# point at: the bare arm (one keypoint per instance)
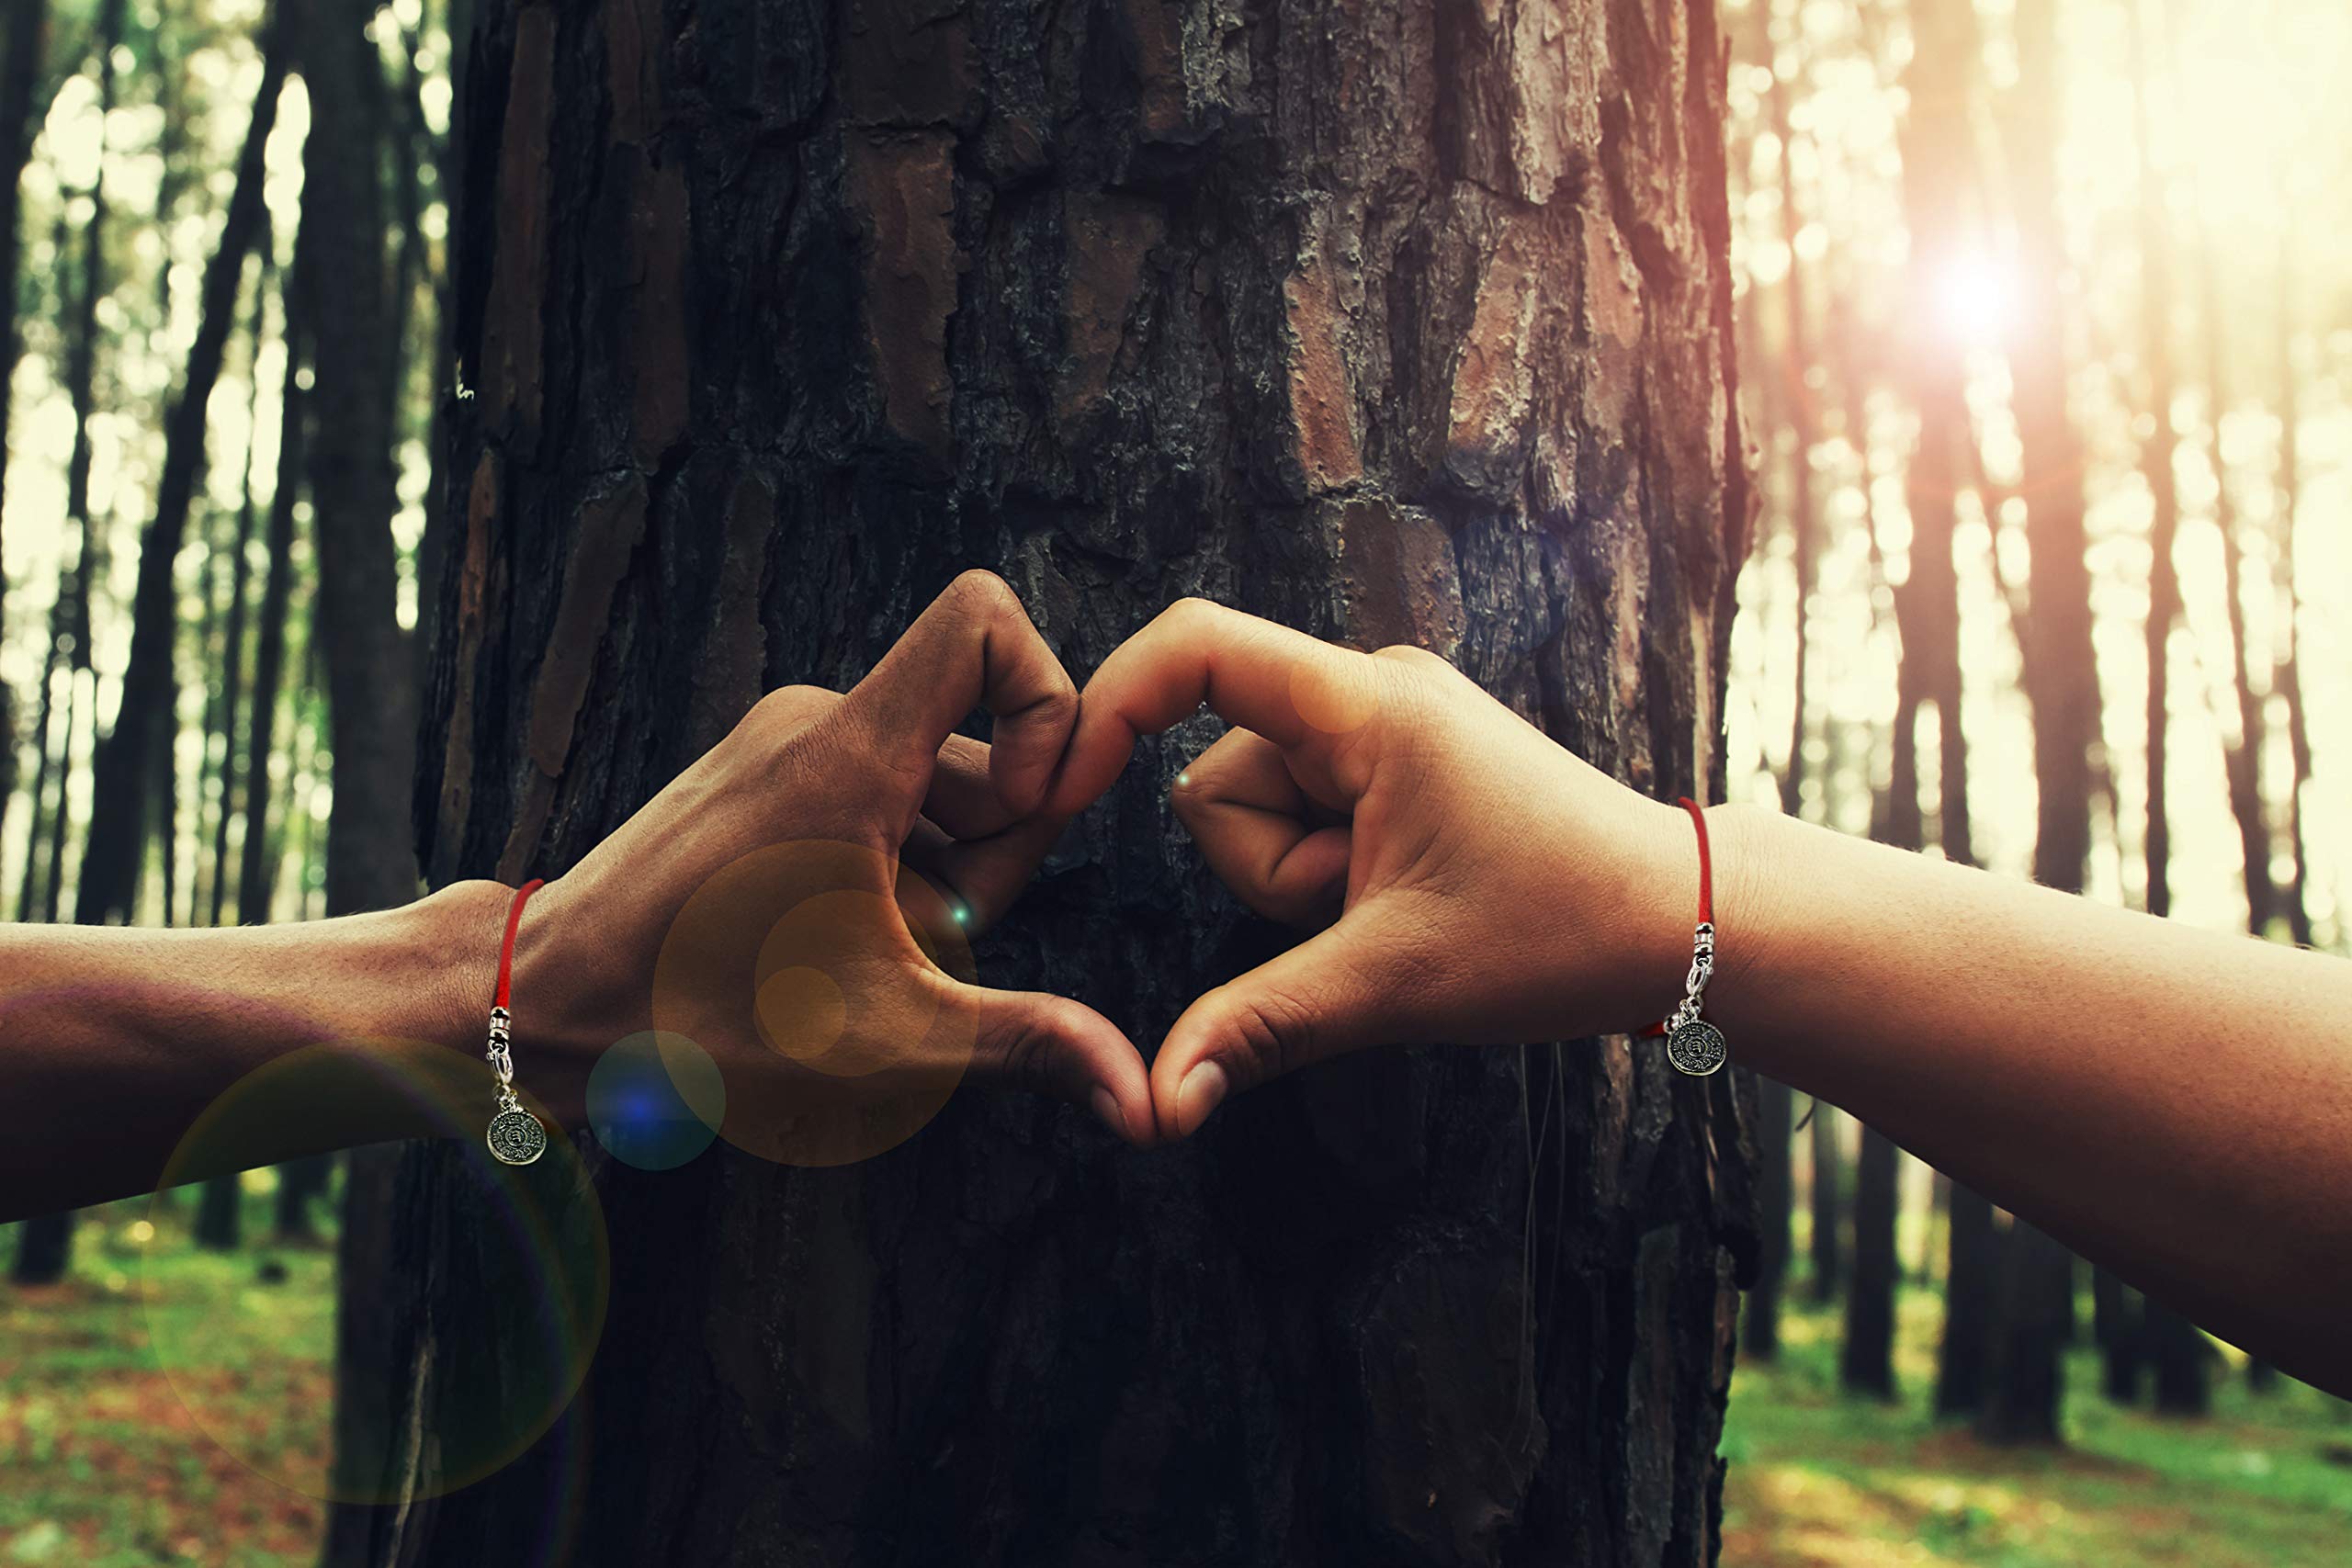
(2175, 1103)
(847, 842)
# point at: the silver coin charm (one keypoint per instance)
(516, 1136)
(1696, 1047)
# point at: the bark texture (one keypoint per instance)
(1391, 321)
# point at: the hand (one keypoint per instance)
(1474, 881)
(766, 892)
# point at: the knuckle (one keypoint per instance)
(1276, 1034)
(983, 594)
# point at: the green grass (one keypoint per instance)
(109, 1459)
(1818, 1479)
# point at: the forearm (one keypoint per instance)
(117, 1039)
(2174, 1102)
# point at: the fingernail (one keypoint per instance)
(1202, 1088)
(1107, 1108)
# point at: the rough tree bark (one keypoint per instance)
(1393, 324)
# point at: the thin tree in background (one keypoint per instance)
(233, 638)
(2295, 895)
(2030, 1273)
(1824, 1245)
(45, 1242)
(1938, 173)
(123, 770)
(2176, 1351)
(25, 41)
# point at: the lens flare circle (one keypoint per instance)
(828, 982)
(655, 1101)
(247, 1338)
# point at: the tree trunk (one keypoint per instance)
(2116, 1324)
(2295, 895)
(1971, 1276)
(1389, 328)
(45, 1242)
(2059, 665)
(256, 864)
(1760, 1336)
(220, 1214)
(232, 660)
(125, 764)
(1866, 1359)
(25, 42)
(2175, 1349)
(1828, 1205)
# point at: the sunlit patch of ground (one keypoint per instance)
(104, 1465)
(1819, 1481)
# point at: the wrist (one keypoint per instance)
(1746, 843)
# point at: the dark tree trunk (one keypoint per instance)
(2116, 1324)
(2180, 1359)
(44, 1248)
(1970, 1276)
(773, 328)
(301, 1184)
(1828, 1204)
(2175, 1349)
(1760, 1336)
(124, 766)
(25, 42)
(233, 657)
(1866, 1359)
(45, 1243)
(2060, 670)
(2294, 896)
(258, 865)
(220, 1214)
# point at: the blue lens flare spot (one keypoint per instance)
(655, 1101)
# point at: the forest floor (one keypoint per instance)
(1821, 1480)
(168, 1405)
(156, 1404)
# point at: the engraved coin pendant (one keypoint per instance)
(516, 1137)
(1696, 1047)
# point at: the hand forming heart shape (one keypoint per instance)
(802, 895)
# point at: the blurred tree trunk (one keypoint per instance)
(1827, 1206)
(369, 671)
(220, 1214)
(1938, 174)
(2295, 896)
(123, 769)
(45, 1242)
(2177, 1351)
(2059, 671)
(27, 44)
(1761, 1308)
(233, 659)
(258, 862)
(770, 333)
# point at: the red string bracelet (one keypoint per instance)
(1693, 1045)
(516, 1136)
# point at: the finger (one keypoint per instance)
(1297, 692)
(1333, 993)
(989, 874)
(1055, 1047)
(961, 800)
(1251, 820)
(973, 648)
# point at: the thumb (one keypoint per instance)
(1052, 1045)
(1326, 997)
